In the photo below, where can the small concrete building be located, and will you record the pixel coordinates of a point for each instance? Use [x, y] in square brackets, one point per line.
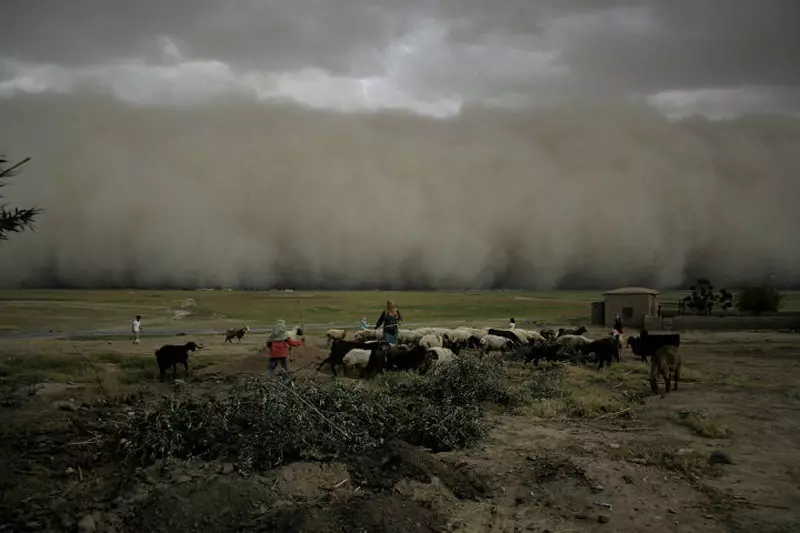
[632, 303]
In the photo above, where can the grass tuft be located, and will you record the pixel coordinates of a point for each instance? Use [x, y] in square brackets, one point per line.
[701, 424]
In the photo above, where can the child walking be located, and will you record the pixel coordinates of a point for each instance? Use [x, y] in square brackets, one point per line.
[279, 343]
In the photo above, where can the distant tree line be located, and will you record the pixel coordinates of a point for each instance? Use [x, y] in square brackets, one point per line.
[752, 299]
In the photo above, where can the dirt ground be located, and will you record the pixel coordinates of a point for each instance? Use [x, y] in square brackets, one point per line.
[645, 466]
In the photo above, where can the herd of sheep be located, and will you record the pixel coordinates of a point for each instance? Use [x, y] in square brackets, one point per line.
[420, 349]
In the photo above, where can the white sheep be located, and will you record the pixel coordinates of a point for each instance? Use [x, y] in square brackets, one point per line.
[424, 331]
[335, 335]
[430, 340]
[408, 336]
[620, 339]
[527, 336]
[292, 332]
[573, 341]
[365, 335]
[441, 355]
[476, 332]
[357, 358]
[458, 335]
[495, 343]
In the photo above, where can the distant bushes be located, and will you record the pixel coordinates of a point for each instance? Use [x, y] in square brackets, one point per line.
[759, 300]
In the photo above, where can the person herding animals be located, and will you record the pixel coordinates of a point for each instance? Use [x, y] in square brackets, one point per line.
[390, 319]
[363, 325]
[617, 323]
[136, 328]
[512, 323]
[279, 343]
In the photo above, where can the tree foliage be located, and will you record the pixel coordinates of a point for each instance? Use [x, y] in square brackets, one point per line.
[760, 299]
[703, 299]
[14, 219]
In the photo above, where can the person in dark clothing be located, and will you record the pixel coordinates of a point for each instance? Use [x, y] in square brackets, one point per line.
[618, 323]
[390, 319]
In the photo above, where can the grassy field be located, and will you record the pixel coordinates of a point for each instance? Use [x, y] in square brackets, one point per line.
[574, 449]
[78, 311]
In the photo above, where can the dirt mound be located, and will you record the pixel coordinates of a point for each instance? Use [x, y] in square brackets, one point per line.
[385, 513]
[546, 469]
[310, 480]
[221, 504]
[399, 460]
[302, 496]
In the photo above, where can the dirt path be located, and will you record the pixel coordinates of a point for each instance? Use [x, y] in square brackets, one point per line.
[190, 330]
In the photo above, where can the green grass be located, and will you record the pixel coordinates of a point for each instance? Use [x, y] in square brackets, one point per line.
[41, 365]
[76, 310]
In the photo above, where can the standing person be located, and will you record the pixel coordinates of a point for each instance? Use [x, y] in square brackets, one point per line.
[512, 324]
[617, 323]
[279, 343]
[390, 319]
[136, 328]
[363, 324]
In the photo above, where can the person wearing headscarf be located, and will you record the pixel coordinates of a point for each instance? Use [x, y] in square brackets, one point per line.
[363, 325]
[390, 319]
[279, 343]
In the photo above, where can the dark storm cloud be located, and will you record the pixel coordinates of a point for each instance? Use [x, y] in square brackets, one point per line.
[267, 34]
[684, 45]
[237, 187]
[647, 45]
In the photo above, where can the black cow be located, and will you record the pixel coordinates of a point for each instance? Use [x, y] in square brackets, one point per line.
[647, 344]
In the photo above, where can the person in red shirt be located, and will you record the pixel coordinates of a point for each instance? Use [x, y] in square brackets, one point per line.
[279, 343]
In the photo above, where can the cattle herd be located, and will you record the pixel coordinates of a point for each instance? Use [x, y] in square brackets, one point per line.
[423, 348]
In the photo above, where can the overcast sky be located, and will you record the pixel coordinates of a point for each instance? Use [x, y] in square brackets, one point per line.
[719, 58]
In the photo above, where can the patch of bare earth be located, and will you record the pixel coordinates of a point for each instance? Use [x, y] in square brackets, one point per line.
[645, 469]
[598, 462]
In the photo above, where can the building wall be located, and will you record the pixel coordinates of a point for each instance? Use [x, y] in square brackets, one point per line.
[598, 313]
[642, 304]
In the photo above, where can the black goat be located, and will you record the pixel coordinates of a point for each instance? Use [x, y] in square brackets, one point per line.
[474, 342]
[385, 356]
[574, 331]
[408, 358]
[507, 334]
[454, 345]
[339, 349]
[548, 333]
[605, 349]
[647, 344]
[170, 355]
[380, 355]
[548, 352]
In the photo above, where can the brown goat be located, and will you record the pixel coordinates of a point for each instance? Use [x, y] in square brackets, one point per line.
[236, 333]
[665, 362]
